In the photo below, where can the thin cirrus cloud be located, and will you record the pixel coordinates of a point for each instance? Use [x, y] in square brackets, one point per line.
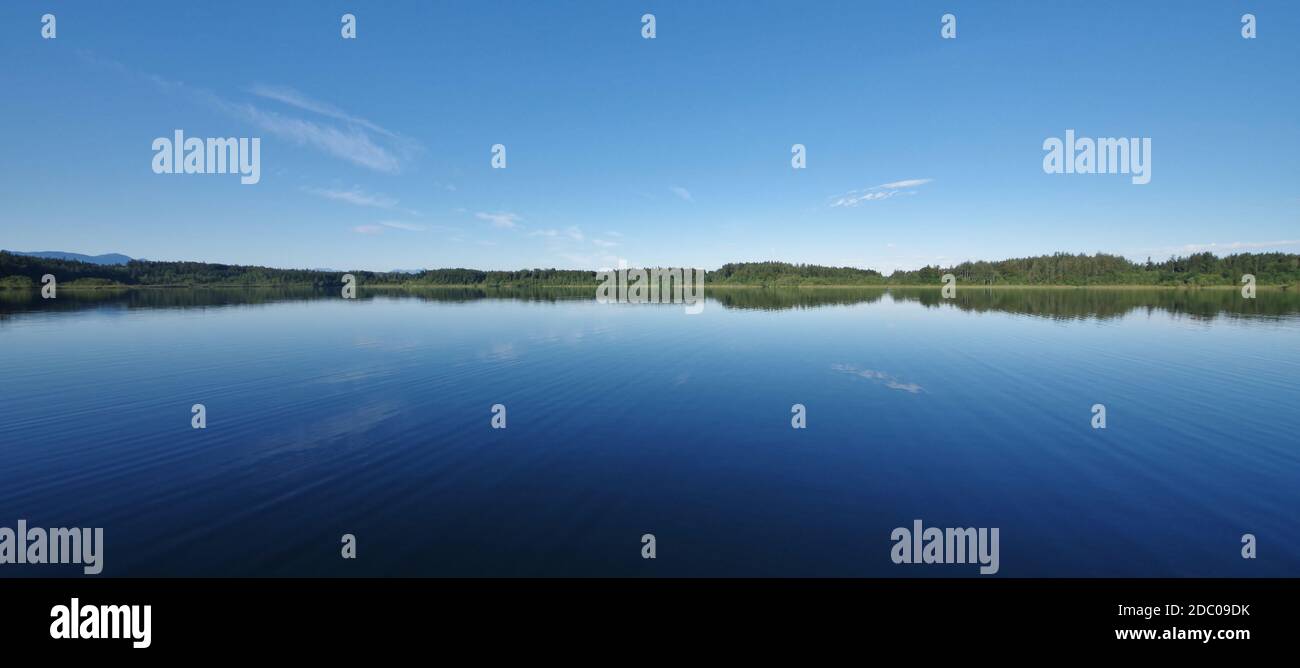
[359, 197]
[573, 232]
[372, 230]
[355, 196]
[1235, 245]
[582, 261]
[568, 244]
[351, 143]
[502, 219]
[293, 98]
[874, 193]
[682, 193]
[1212, 247]
[398, 225]
[342, 135]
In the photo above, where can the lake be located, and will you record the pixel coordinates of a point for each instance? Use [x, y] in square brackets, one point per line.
[372, 417]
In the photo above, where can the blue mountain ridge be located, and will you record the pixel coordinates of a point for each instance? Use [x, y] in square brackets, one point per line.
[107, 258]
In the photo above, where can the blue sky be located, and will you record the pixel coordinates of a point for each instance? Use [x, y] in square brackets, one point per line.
[671, 151]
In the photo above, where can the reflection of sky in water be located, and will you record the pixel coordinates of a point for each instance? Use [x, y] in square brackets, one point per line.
[879, 376]
[371, 417]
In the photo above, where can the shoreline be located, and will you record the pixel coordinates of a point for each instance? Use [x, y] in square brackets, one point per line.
[707, 286]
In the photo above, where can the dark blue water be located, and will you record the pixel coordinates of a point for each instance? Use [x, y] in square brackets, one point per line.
[372, 417]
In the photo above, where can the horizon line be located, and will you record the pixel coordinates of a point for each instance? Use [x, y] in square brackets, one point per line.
[1186, 254]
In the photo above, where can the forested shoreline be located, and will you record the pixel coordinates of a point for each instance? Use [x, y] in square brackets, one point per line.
[1060, 269]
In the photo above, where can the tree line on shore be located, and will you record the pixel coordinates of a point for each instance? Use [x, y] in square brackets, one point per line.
[1195, 270]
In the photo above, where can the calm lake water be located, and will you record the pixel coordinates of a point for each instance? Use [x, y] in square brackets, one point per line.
[371, 417]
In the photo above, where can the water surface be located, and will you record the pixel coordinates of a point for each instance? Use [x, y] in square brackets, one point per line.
[371, 417]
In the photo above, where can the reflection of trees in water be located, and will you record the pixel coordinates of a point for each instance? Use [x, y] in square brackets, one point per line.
[1068, 303]
[1063, 303]
[17, 301]
[1075, 303]
[774, 299]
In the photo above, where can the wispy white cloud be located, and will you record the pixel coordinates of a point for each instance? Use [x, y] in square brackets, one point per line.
[399, 225]
[355, 196]
[682, 193]
[573, 232]
[350, 139]
[503, 220]
[1233, 246]
[569, 244]
[882, 191]
[906, 183]
[293, 98]
[351, 143]
[378, 228]
[590, 261]
[854, 198]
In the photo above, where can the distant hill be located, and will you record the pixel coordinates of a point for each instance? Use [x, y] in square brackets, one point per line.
[107, 258]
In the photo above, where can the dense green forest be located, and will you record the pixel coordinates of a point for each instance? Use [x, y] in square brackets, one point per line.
[784, 273]
[25, 271]
[1200, 269]
[1064, 269]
